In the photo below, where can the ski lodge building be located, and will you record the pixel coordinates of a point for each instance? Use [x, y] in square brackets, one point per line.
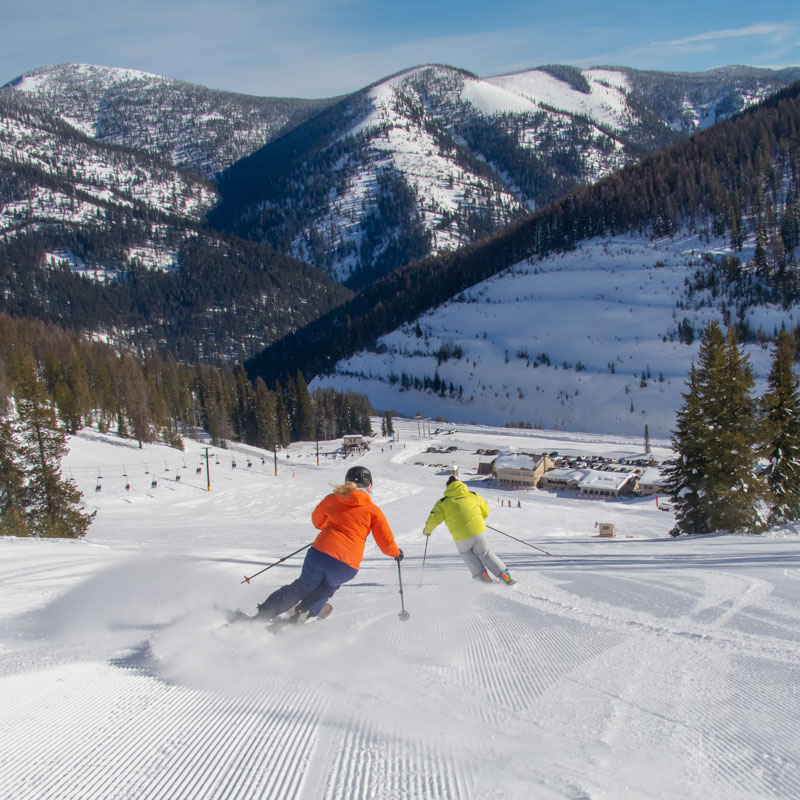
[352, 442]
[521, 469]
[591, 482]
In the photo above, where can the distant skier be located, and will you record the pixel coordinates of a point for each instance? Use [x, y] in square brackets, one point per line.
[344, 518]
[464, 512]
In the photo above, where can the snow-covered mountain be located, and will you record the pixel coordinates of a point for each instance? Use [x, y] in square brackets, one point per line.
[52, 176]
[111, 240]
[425, 161]
[435, 157]
[586, 315]
[421, 162]
[191, 126]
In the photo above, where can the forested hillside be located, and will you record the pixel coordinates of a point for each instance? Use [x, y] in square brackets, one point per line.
[111, 240]
[156, 398]
[739, 179]
[436, 158]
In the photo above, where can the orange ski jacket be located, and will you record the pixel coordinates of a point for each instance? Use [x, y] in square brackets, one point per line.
[344, 523]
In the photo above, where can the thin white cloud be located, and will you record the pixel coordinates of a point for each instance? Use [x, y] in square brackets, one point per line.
[755, 44]
[761, 29]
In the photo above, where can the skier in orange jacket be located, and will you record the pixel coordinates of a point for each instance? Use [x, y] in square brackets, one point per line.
[344, 518]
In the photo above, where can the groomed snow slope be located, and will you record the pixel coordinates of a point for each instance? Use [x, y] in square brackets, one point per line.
[635, 667]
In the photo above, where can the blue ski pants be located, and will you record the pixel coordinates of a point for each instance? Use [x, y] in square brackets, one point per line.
[319, 579]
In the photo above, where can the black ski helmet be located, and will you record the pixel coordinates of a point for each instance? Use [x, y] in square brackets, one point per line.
[360, 476]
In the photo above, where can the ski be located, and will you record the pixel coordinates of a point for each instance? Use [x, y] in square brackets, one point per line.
[277, 623]
[237, 615]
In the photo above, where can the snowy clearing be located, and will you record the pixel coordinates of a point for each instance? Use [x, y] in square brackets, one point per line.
[605, 315]
[636, 667]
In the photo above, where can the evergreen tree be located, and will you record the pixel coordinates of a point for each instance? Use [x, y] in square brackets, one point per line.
[53, 502]
[735, 445]
[303, 416]
[281, 418]
[243, 414]
[781, 405]
[713, 481]
[214, 417]
[264, 417]
[12, 486]
[686, 473]
[325, 412]
[133, 396]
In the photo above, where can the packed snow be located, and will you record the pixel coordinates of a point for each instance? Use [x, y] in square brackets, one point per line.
[635, 667]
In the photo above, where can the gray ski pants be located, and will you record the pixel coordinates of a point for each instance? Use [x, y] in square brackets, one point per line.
[475, 551]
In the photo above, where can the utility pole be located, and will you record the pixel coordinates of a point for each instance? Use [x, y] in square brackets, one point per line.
[208, 472]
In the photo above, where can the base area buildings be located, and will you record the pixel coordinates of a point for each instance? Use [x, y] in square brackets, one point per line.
[523, 470]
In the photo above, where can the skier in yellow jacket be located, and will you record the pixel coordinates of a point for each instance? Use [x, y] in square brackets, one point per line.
[464, 512]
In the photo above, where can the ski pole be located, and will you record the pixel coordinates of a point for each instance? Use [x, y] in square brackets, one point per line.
[404, 615]
[424, 556]
[305, 546]
[519, 540]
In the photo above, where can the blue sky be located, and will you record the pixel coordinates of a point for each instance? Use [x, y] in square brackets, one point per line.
[320, 48]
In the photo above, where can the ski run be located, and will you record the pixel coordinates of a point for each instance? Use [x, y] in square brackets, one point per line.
[639, 666]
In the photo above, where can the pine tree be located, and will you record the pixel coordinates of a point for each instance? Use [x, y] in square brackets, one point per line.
[713, 481]
[12, 486]
[264, 416]
[281, 418]
[304, 411]
[133, 396]
[686, 473]
[735, 445]
[325, 412]
[781, 406]
[53, 502]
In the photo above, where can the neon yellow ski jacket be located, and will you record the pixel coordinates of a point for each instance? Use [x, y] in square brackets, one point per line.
[464, 512]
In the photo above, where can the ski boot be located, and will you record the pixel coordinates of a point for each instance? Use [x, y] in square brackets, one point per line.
[483, 577]
[504, 576]
[301, 616]
[263, 613]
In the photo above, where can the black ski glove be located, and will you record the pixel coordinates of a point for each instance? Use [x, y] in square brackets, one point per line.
[399, 558]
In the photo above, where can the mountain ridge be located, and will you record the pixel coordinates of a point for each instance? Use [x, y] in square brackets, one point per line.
[435, 157]
[721, 242]
[112, 241]
[422, 170]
